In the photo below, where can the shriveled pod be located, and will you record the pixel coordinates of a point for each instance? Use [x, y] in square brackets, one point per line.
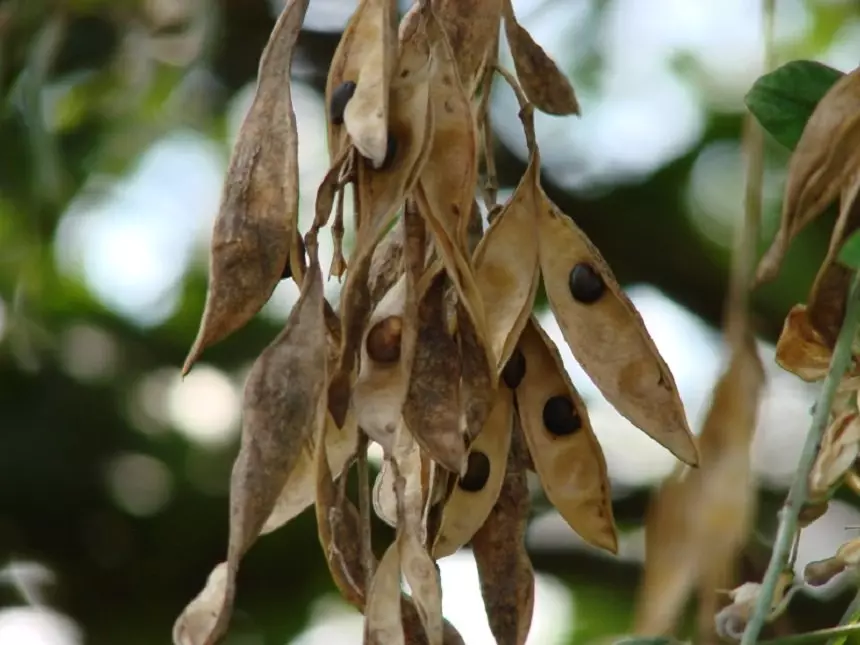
[380, 193]
[476, 492]
[283, 407]
[606, 333]
[358, 83]
[383, 496]
[507, 267]
[566, 454]
[478, 385]
[432, 407]
[383, 624]
[504, 567]
[257, 218]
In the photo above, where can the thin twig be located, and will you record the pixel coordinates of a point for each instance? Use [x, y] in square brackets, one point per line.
[797, 495]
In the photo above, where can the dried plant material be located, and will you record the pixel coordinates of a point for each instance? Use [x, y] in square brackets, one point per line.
[259, 204]
[384, 499]
[379, 195]
[284, 406]
[386, 263]
[472, 28]
[543, 83]
[566, 455]
[606, 333]
[476, 492]
[382, 625]
[300, 490]
[732, 620]
[504, 568]
[416, 564]
[820, 572]
[432, 408]
[821, 166]
[478, 386]
[840, 447]
[508, 280]
[800, 349]
[195, 624]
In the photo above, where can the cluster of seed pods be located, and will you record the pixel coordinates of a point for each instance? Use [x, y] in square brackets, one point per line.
[432, 351]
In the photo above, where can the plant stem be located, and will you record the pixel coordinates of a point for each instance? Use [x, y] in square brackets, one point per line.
[815, 637]
[839, 363]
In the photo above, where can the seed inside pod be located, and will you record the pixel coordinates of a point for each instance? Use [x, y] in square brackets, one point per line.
[383, 340]
[477, 472]
[339, 98]
[560, 417]
[586, 284]
[514, 369]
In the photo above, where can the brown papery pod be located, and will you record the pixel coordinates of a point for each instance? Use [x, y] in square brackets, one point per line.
[839, 449]
[283, 406]
[472, 27]
[800, 349]
[508, 280]
[504, 568]
[478, 387]
[415, 562]
[606, 333]
[379, 195]
[476, 492]
[821, 166]
[432, 408]
[384, 499]
[257, 217]
[543, 83]
[566, 454]
[827, 300]
[382, 623]
[368, 40]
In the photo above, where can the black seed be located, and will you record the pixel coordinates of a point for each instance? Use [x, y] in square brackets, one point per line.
[477, 473]
[514, 370]
[586, 284]
[560, 417]
[390, 153]
[339, 98]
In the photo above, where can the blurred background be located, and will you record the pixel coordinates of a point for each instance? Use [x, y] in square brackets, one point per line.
[116, 125]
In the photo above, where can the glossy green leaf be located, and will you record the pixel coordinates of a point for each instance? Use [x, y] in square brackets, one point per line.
[849, 254]
[783, 100]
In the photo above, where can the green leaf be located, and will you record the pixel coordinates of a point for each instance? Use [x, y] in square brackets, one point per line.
[783, 100]
[849, 254]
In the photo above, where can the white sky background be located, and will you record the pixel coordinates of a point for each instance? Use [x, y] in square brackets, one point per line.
[133, 248]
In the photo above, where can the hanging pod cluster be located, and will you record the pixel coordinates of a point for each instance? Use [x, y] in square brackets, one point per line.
[432, 351]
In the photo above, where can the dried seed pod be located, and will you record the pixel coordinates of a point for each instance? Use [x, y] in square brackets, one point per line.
[365, 58]
[259, 205]
[839, 449]
[821, 166]
[469, 504]
[383, 625]
[384, 500]
[478, 386]
[507, 577]
[506, 267]
[432, 407]
[283, 407]
[543, 83]
[800, 349]
[607, 336]
[820, 572]
[570, 466]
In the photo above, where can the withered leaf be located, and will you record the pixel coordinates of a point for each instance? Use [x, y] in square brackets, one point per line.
[606, 333]
[566, 454]
[258, 214]
[840, 447]
[800, 349]
[284, 406]
[506, 574]
[821, 166]
[471, 502]
[432, 407]
[382, 625]
[507, 269]
[543, 83]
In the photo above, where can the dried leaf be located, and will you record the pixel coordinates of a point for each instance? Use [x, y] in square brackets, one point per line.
[504, 568]
[382, 625]
[821, 166]
[508, 280]
[477, 491]
[606, 333]
[543, 83]
[259, 204]
[284, 405]
[567, 457]
[840, 447]
[800, 349]
[432, 407]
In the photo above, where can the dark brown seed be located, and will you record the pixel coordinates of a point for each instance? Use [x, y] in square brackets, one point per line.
[586, 284]
[560, 417]
[514, 369]
[339, 98]
[477, 473]
[383, 341]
